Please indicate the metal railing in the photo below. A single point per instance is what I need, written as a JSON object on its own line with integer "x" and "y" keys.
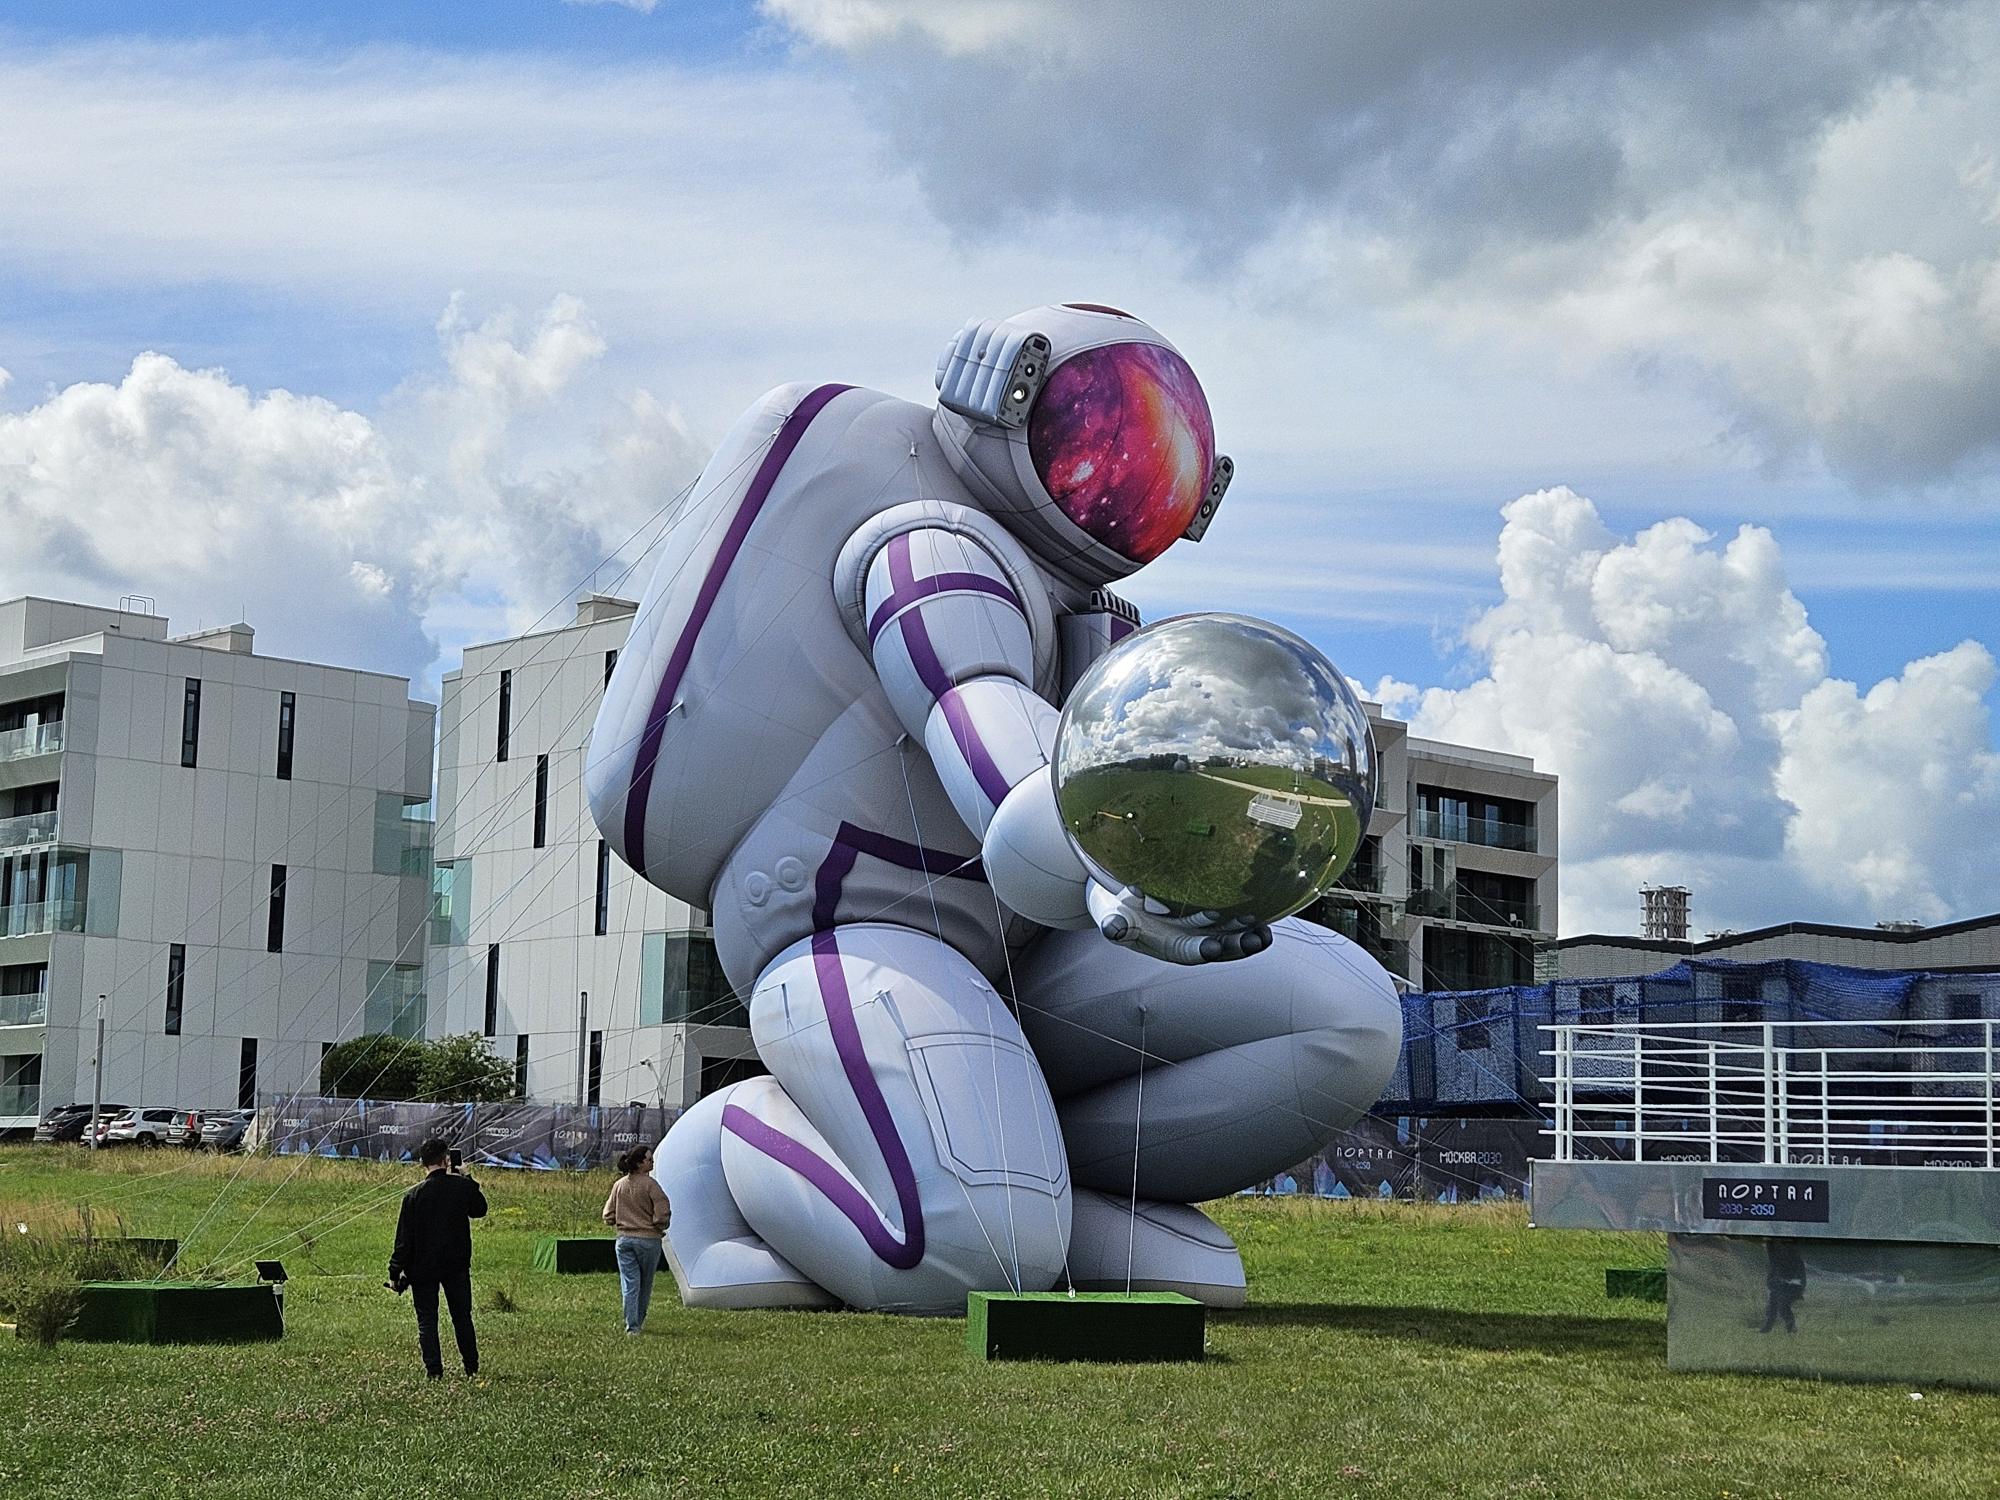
{"x": 28, "y": 830}
{"x": 1777, "y": 1092}
{"x": 20, "y": 1100}
{"x": 1493, "y": 833}
{"x": 1455, "y": 904}
{"x": 31, "y": 739}
{"x": 30, "y": 918}
{"x": 24, "y": 1010}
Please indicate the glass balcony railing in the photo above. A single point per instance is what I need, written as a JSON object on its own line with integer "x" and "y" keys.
{"x": 20, "y": 1101}
{"x": 28, "y": 830}
{"x": 29, "y": 918}
{"x": 23, "y": 1010}
{"x": 1494, "y": 833}
{"x": 1456, "y": 905}
{"x": 31, "y": 739}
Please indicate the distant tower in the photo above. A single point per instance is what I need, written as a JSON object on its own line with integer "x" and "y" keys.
{"x": 1664, "y": 913}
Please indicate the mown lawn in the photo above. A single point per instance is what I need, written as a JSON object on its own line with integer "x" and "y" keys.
{"x": 1391, "y": 1350}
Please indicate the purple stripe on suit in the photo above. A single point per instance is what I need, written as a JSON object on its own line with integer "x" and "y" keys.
{"x": 931, "y": 672}
{"x": 938, "y": 583}
{"x": 849, "y": 844}
{"x": 787, "y": 440}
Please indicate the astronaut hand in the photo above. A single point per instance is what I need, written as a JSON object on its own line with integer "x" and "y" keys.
{"x": 1125, "y": 918}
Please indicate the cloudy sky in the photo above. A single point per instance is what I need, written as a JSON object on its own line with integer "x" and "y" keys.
{"x": 1614, "y": 384}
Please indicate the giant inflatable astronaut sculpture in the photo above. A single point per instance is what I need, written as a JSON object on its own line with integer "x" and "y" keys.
{"x": 1013, "y": 971}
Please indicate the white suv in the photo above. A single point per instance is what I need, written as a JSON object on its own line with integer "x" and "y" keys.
{"x": 146, "y": 1127}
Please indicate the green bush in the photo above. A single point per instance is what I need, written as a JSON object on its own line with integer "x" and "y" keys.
{"x": 449, "y": 1070}
{"x": 42, "y": 1272}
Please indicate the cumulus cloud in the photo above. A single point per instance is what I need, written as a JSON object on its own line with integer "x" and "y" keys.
{"x": 343, "y": 535}
{"x": 1786, "y": 206}
{"x": 1675, "y": 685}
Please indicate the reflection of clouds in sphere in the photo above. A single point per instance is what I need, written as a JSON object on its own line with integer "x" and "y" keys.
{"x": 1122, "y": 439}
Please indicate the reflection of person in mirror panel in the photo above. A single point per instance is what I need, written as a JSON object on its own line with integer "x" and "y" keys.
{"x": 1784, "y": 1283}
{"x": 832, "y": 727}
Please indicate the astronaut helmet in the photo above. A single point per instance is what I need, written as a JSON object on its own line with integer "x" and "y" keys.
{"x": 1084, "y": 432}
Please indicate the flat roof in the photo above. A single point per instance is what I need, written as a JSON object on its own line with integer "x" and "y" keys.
{"x": 1782, "y": 929}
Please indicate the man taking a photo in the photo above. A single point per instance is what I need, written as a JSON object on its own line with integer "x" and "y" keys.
{"x": 434, "y": 1250}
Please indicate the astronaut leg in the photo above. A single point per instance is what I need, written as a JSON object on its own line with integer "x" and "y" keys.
{"x": 1249, "y": 1067}
{"x": 716, "y": 1257}
{"x": 905, "y": 1150}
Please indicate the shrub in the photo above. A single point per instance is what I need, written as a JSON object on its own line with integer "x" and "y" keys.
{"x": 42, "y": 1273}
{"x": 448, "y": 1070}
{"x": 379, "y": 1066}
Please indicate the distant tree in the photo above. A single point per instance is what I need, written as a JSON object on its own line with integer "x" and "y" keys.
{"x": 465, "y": 1068}
{"x": 378, "y": 1066}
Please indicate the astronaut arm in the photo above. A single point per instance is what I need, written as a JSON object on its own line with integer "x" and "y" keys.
{"x": 952, "y": 644}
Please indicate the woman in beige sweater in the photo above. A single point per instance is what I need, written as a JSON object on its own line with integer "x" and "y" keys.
{"x": 639, "y": 1211}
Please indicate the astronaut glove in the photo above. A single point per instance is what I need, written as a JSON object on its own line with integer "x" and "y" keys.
{"x": 1125, "y": 918}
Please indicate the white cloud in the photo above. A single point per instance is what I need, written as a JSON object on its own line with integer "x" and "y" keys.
{"x": 1677, "y": 688}
{"x": 1787, "y": 207}
{"x": 339, "y": 534}
{"x": 644, "y": 7}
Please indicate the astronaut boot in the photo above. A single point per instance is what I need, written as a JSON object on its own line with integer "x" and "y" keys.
{"x": 1163, "y": 1247}
{"x": 716, "y": 1257}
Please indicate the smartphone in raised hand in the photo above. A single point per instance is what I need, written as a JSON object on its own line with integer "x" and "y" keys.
{"x": 457, "y": 1160}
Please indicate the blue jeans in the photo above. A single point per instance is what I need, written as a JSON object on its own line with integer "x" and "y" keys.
{"x": 638, "y": 1259}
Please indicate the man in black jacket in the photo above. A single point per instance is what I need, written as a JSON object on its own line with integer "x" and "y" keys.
{"x": 434, "y": 1249}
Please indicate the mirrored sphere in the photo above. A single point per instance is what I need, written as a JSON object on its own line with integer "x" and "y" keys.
{"x": 1218, "y": 764}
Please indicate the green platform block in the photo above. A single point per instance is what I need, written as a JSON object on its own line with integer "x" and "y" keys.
{"x": 576, "y": 1255}
{"x": 1103, "y": 1326}
{"x": 1645, "y": 1285}
{"x": 177, "y": 1312}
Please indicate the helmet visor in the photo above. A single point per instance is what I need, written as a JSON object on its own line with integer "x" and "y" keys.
{"x": 1122, "y": 440}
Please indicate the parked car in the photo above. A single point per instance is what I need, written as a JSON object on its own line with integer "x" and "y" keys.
{"x": 223, "y": 1130}
{"x": 187, "y": 1130}
{"x": 68, "y": 1122}
{"x": 139, "y": 1127}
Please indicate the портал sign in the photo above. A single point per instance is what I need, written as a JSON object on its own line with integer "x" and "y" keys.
{"x": 1795, "y": 1200}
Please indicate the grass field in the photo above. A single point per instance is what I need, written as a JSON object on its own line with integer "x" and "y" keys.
{"x": 1186, "y": 838}
{"x": 1391, "y": 1350}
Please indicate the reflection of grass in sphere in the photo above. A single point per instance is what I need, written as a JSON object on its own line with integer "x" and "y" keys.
{"x": 1186, "y": 838}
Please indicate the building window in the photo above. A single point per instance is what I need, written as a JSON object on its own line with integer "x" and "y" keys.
{"x": 1742, "y": 1000}
{"x": 191, "y": 722}
{"x": 324, "y": 1048}
{"x": 603, "y": 921}
{"x": 1475, "y": 1032}
{"x": 521, "y": 1066}
{"x": 394, "y": 1005}
{"x": 1593, "y": 1003}
{"x": 596, "y": 1084}
{"x": 177, "y": 962}
{"x": 541, "y": 802}
{"x": 492, "y": 989}
{"x": 610, "y": 664}
{"x": 288, "y": 709}
{"x": 274, "y": 935}
{"x": 246, "y": 1075}
{"x": 506, "y": 713}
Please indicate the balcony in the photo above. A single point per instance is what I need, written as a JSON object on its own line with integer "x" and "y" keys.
{"x": 29, "y": 831}
{"x": 32, "y": 739}
{"x": 20, "y": 1101}
{"x": 24, "y": 1010}
{"x": 32, "y": 918}
{"x": 1459, "y": 828}
{"x": 1455, "y": 905}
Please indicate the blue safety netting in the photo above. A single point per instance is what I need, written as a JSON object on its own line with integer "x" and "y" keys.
{"x": 1477, "y": 1048}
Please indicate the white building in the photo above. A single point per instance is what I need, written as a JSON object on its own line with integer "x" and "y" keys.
{"x": 1454, "y": 887}
{"x": 533, "y": 912}
{"x": 229, "y": 848}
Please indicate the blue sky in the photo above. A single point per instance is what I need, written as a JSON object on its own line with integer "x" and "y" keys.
{"x": 451, "y": 297}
